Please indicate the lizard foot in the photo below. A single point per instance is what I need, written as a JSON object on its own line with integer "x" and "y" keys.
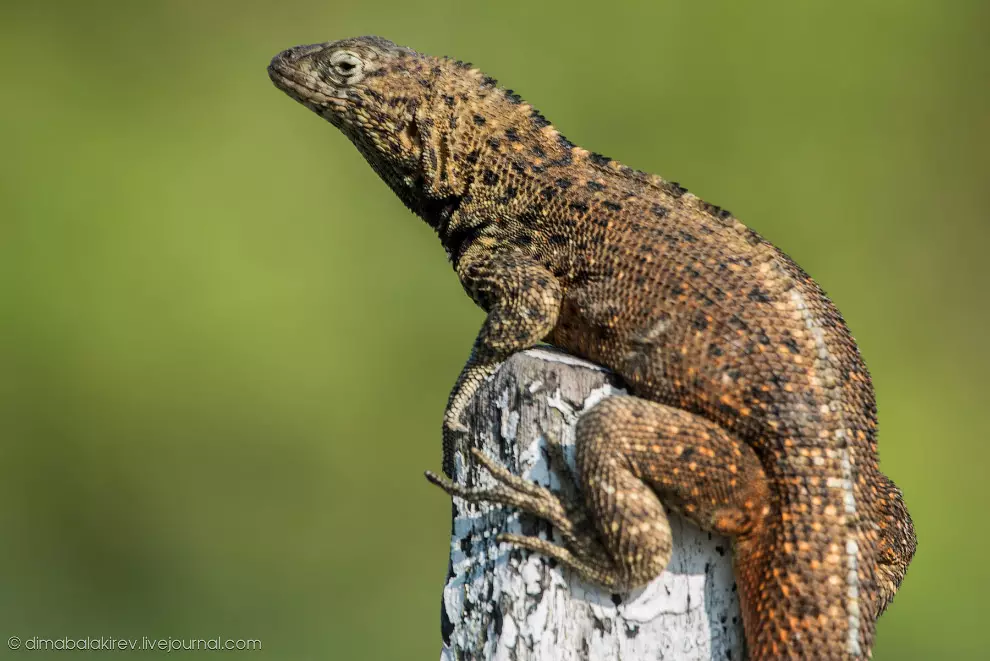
{"x": 511, "y": 490}
{"x": 582, "y": 551}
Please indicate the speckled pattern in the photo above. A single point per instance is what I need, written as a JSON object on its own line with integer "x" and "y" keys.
{"x": 751, "y": 409}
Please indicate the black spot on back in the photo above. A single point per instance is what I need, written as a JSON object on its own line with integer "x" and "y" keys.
{"x": 599, "y": 159}
{"x": 715, "y": 210}
{"x": 563, "y": 161}
{"x": 736, "y": 324}
{"x": 757, "y": 295}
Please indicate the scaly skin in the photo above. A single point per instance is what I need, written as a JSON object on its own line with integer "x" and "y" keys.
{"x": 751, "y": 410}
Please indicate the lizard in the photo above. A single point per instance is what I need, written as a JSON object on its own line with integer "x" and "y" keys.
{"x": 750, "y": 409}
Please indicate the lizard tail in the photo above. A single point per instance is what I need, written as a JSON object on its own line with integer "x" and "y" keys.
{"x": 806, "y": 578}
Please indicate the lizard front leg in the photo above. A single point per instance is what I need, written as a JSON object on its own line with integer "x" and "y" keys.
{"x": 522, "y": 299}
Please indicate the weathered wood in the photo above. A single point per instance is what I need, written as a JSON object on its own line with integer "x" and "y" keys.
{"x": 502, "y": 603}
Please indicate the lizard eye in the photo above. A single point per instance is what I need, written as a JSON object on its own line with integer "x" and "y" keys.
{"x": 346, "y": 64}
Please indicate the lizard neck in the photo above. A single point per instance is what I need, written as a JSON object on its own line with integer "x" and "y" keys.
{"x": 485, "y": 158}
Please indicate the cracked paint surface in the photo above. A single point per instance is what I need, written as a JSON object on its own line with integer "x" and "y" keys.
{"x": 508, "y": 604}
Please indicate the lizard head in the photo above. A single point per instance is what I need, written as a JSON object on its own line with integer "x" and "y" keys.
{"x": 369, "y": 88}
{"x": 335, "y": 79}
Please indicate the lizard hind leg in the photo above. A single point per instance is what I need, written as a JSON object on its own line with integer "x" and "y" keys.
{"x": 631, "y": 453}
{"x": 696, "y": 467}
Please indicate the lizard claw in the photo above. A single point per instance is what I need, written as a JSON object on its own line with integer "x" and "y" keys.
{"x": 440, "y": 481}
{"x": 456, "y": 427}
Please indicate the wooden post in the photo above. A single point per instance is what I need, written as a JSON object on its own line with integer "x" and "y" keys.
{"x": 503, "y": 603}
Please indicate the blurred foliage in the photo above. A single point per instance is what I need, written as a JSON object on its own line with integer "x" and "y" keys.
{"x": 225, "y": 347}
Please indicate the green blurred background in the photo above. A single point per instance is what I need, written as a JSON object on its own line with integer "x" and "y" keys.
{"x": 225, "y": 347}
